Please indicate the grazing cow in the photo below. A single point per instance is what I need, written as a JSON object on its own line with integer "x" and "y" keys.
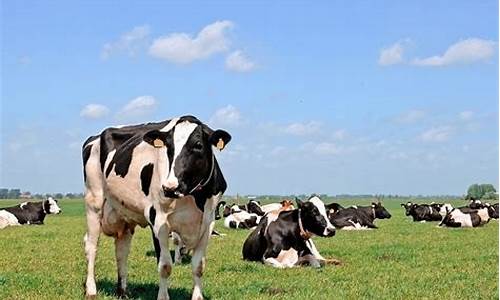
{"x": 163, "y": 175}
{"x": 359, "y": 217}
{"x": 28, "y": 213}
{"x": 456, "y": 218}
{"x": 423, "y": 212}
{"x": 284, "y": 240}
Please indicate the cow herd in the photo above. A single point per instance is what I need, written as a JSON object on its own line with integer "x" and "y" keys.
{"x": 165, "y": 176}
{"x": 475, "y": 214}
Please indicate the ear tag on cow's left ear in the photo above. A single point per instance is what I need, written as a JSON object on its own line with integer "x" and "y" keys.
{"x": 220, "y": 145}
{"x": 158, "y": 143}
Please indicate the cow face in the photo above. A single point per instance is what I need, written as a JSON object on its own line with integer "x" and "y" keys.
{"x": 51, "y": 207}
{"x": 189, "y": 149}
{"x": 492, "y": 212}
{"x": 444, "y": 209}
{"x": 408, "y": 207}
{"x": 476, "y": 204}
{"x": 314, "y": 218}
{"x": 380, "y": 211}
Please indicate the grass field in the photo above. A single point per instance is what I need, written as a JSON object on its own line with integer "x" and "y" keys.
{"x": 400, "y": 260}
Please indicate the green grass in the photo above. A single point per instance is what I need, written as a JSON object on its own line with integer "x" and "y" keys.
{"x": 400, "y": 260}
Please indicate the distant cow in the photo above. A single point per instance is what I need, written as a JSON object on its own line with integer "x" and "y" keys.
{"x": 28, "y": 213}
{"x": 456, "y": 218}
{"x": 423, "y": 212}
{"x": 332, "y": 208}
{"x": 359, "y": 217}
{"x": 285, "y": 240}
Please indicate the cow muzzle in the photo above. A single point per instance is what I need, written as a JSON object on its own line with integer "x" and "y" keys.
{"x": 171, "y": 193}
{"x": 329, "y": 231}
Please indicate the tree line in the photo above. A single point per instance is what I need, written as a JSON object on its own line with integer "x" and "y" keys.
{"x": 17, "y": 194}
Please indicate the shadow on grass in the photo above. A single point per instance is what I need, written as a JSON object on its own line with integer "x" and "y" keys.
{"x": 186, "y": 258}
{"x": 142, "y": 291}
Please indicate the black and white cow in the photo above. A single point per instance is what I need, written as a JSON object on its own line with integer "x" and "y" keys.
{"x": 333, "y": 208}
{"x": 163, "y": 175}
{"x": 457, "y": 218}
{"x": 284, "y": 239}
{"x": 423, "y": 212}
{"x": 28, "y": 213}
{"x": 359, "y": 217}
{"x": 236, "y": 217}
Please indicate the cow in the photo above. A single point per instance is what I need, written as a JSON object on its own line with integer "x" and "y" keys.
{"x": 163, "y": 175}
{"x": 284, "y": 240}
{"x": 475, "y": 204}
{"x": 28, "y": 213}
{"x": 423, "y": 212}
{"x": 359, "y": 217}
{"x": 456, "y": 218}
{"x": 242, "y": 220}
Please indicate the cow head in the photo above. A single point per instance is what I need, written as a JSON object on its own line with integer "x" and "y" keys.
{"x": 408, "y": 207}
{"x": 254, "y": 207}
{"x": 476, "y": 204}
{"x": 447, "y": 217}
{"x": 192, "y": 163}
{"x": 314, "y": 218}
{"x": 50, "y": 206}
{"x": 333, "y": 208}
{"x": 287, "y": 204}
{"x": 380, "y": 211}
{"x": 492, "y": 212}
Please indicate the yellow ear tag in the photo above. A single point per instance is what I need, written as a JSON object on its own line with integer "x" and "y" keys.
{"x": 158, "y": 143}
{"x": 220, "y": 145}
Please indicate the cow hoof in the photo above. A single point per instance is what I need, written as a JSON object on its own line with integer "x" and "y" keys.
{"x": 90, "y": 297}
{"x": 121, "y": 293}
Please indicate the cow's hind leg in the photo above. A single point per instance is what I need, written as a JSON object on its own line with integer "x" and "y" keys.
{"x": 122, "y": 249}
{"x": 198, "y": 261}
{"x": 91, "y": 240}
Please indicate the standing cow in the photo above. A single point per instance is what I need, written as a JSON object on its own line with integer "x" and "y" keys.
{"x": 163, "y": 175}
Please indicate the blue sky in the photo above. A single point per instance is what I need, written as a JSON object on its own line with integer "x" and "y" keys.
{"x": 387, "y": 97}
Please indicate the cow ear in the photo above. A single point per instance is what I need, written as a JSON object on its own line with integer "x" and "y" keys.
{"x": 403, "y": 205}
{"x": 300, "y": 203}
{"x": 374, "y": 204}
{"x": 219, "y": 139}
{"x": 156, "y": 138}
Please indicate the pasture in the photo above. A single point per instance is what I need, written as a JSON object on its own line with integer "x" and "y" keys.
{"x": 400, "y": 260}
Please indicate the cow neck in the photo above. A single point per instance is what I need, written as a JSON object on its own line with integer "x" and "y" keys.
{"x": 202, "y": 183}
{"x": 373, "y": 211}
{"x": 304, "y": 233}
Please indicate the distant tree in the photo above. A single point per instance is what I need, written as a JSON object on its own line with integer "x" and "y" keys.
{"x": 59, "y": 195}
{"x": 4, "y": 193}
{"x": 478, "y": 191}
{"x": 14, "y": 194}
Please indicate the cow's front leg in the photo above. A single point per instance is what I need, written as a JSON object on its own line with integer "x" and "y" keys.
{"x": 122, "y": 249}
{"x": 270, "y": 256}
{"x": 198, "y": 259}
{"x": 165, "y": 262}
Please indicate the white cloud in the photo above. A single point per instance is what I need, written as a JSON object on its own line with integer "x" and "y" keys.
{"x": 94, "y": 111}
{"x": 129, "y": 42}
{"x": 301, "y": 129}
{"x": 393, "y": 54}
{"x": 436, "y": 134}
{"x": 327, "y": 149}
{"x": 463, "y": 52}
{"x": 181, "y": 48}
{"x": 238, "y": 62}
{"x": 339, "y": 134}
{"x": 410, "y": 117}
{"x": 466, "y": 115}
{"x": 137, "y": 107}
{"x": 226, "y": 116}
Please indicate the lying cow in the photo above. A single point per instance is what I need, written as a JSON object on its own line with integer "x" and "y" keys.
{"x": 423, "y": 212}
{"x": 333, "y": 208}
{"x": 284, "y": 240}
{"x": 235, "y": 217}
{"x": 28, "y": 213}
{"x": 359, "y": 217}
{"x": 163, "y": 175}
{"x": 457, "y": 218}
